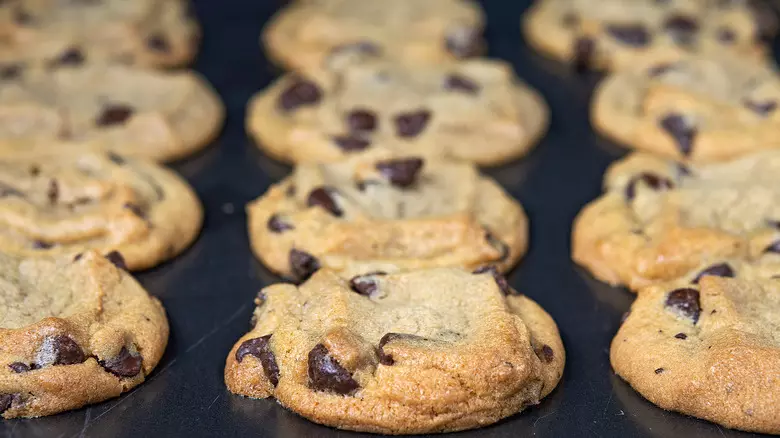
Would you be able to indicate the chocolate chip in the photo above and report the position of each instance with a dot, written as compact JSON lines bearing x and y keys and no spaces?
{"x":401,"y":172}
{"x":773,"y":248}
{"x":72,"y":56}
{"x":11,"y":71}
{"x":277,"y":225}
{"x":125,"y":364}
{"x":53,"y":193}
{"x":323,"y":197}
{"x":6,"y":190}
{"x":40,"y":244}
{"x":351,"y":143}
{"x":659,"y":370}
{"x":408,"y":125}
{"x":158,"y":43}
{"x":77,"y":257}
{"x":117,"y":259}
{"x":261,"y":349}
{"x":114,"y":114}
{"x":652,"y":180}
{"x":464,"y":42}
{"x":116,"y":159}
{"x":365,"y":284}
{"x":300,"y":92}
{"x":546,"y":353}
{"x":361,"y":120}
{"x":501,"y":281}
{"x":682,"y":336}
{"x":495,"y":242}
{"x":6,"y":400}
{"x":718,"y":270}
{"x":302,"y":264}
{"x":635,"y":35}
{"x":325,"y":373}
{"x":19,"y":367}
{"x":136,"y":210}
{"x":681,"y":28}
{"x":726,"y":35}
{"x":761,"y":108}
{"x":458,"y":82}
{"x":682,"y":132}
{"x":583,"y":53}
{"x":65,"y":351}
{"x":386,"y":359}
{"x":685,"y":302}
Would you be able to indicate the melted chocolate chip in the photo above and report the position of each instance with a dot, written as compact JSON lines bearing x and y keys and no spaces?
{"x":40,"y":244}
{"x":408,"y":125}
{"x":546,"y":353}
{"x":114,"y":114}
{"x":300,"y":92}
{"x":261,"y":349}
{"x":682,"y":29}
{"x":159,"y":43}
{"x":464,"y":42}
{"x":652,"y":180}
{"x":302,"y":264}
{"x":365,"y":284}
{"x":659,"y":370}
{"x":635,"y":35}
{"x":6,"y":190}
{"x":325,"y":373}
{"x":386,"y":359}
{"x":65,"y":350}
{"x":682,"y":336}
{"x":11,"y":71}
{"x":117,"y":259}
{"x":501,"y":281}
{"x":53,"y":193}
{"x":125,"y":364}
{"x":277,"y":225}
{"x":72,"y":56}
{"x":323,"y":197}
{"x":350,"y":143}
{"x":402,"y":172}
{"x":761,"y":108}
{"x":361,"y":120}
{"x":682,"y":132}
{"x":6,"y":400}
{"x":583,"y":52}
{"x":19,"y":367}
{"x":726,"y":35}
{"x":685,"y":302}
{"x":460,"y":83}
{"x":116,"y":159}
{"x":718,"y":270}
{"x":774,"y":247}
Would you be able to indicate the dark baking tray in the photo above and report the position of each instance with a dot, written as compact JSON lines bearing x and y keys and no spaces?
{"x":208,"y":291}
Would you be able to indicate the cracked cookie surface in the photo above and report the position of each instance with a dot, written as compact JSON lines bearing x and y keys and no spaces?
{"x":659,"y":220}
{"x":130,"y":111}
{"x":620,"y":34}
{"x":426,"y":351}
{"x":66,"y":204}
{"x":385,"y":212}
{"x":709,"y":349}
{"x":473,"y":110}
{"x":308,"y":34}
{"x":698,"y":109}
{"x":73,"y":333}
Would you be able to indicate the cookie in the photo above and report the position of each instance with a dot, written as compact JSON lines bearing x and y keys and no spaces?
{"x":130,"y":111}
{"x":384,"y":213}
{"x":699,"y":109}
{"x":659,"y":220}
{"x":710,"y":349}
{"x":66,"y":204}
{"x":73,"y":333}
{"x":147,"y":33}
{"x":309,"y":35}
{"x":473,"y":110}
{"x":620,"y":34}
{"x":427,"y":351}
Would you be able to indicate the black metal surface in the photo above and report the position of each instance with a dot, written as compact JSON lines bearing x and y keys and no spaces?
{"x":208,"y":291}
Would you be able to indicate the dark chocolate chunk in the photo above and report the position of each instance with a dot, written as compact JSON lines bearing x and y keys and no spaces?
{"x":501,"y":281}
{"x":323,"y":197}
{"x":583,"y":53}
{"x":117,"y":259}
{"x":40,"y":244}
{"x":361,"y":120}
{"x":682,"y":29}
{"x":659,"y":370}
{"x":6,"y":190}
{"x":125,"y":364}
{"x":65,"y":350}
{"x":19,"y":367}
{"x":635,"y":35}
{"x":114,"y":114}
{"x":546,"y":353}
{"x":682,"y":336}
{"x":387,"y":359}
{"x":325,"y":373}
{"x":53,"y":193}
{"x":685,"y":302}
{"x":73,"y":56}
{"x":116,"y":159}
{"x":464,"y":42}
{"x":350,"y":143}
{"x":261,"y":349}
{"x":6,"y":400}
{"x":761,"y":108}
{"x":302,"y":264}
{"x":652,"y":180}
{"x":278,"y":225}
{"x":159,"y":43}
{"x":458,"y":82}
{"x":365,"y":284}
{"x":411,"y":124}
{"x":300,"y":92}
{"x":401,"y":172}
{"x":682,"y":132}
{"x":718,"y":270}
{"x":774,"y":247}
{"x":10,"y":71}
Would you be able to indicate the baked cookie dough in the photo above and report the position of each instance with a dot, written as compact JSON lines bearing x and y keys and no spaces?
{"x":147,"y":33}
{"x":709,"y":349}
{"x":426,"y":351}
{"x":698,"y":109}
{"x":473,"y":110}
{"x":130,"y":111}
{"x":659,"y":220}
{"x":73,"y":332}
{"x":619,"y":34}
{"x":380,"y":212}
{"x":65,"y":204}
{"x":310,"y":35}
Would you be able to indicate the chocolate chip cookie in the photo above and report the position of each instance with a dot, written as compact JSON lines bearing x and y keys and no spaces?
{"x":710,"y":349}
{"x":472,"y":110}
{"x":66,"y":204}
{"x":131,"y":111}
{"x":309,"y":35}
{"x":382,"y":212}
{"x":148,"y":33}
{"x":698,"y":109}
{"x":426,"y":351}
{"x":619,"y":34}
{"x":659,"y":220}
{"x":73,"y":332}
